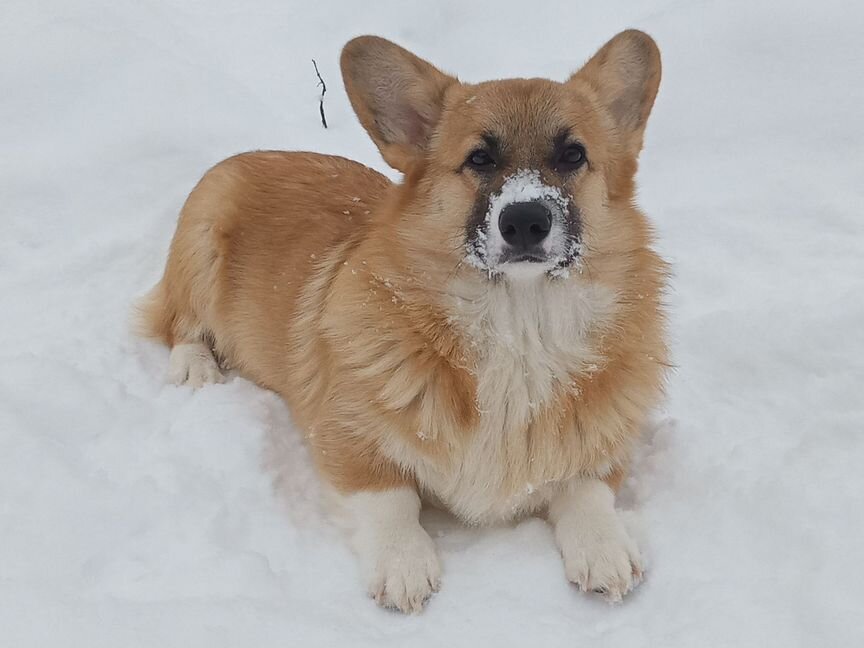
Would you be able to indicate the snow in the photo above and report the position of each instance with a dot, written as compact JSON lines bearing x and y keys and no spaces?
{"x":136,"y":513}
{"x":525,"y":185}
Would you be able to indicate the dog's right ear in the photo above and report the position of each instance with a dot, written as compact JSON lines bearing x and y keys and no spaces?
{"x":397,"y":96}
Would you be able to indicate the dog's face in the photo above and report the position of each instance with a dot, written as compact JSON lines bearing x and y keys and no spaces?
{"x":514,"y":178}
{"x":514,"y":164}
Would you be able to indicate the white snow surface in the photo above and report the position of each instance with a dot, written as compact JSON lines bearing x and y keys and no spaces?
{"x":137,"y":513}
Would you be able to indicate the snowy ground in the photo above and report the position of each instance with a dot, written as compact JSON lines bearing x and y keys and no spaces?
{"x":138,"y":514}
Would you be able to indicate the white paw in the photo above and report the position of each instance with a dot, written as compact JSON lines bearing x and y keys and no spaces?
{"x":599,"y":555}
{"x":603,"y":560}
{"x":398,"y":561}
{"x":403,"y":574}
{"x":193,"y":364}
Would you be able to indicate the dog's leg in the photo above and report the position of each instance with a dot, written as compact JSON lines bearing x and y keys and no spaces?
{"x":397,"y":557}
{"x":192,"y":363}
{"x":599,"y":555}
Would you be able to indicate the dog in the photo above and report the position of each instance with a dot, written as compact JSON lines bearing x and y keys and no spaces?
{"x":487,"y":335}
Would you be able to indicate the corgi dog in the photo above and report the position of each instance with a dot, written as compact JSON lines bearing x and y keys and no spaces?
{"x":486,"y":335}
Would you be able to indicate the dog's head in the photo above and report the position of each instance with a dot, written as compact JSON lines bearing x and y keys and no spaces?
{"x":518,"y":177}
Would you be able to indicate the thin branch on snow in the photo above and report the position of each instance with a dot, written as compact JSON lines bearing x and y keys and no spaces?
{"x":323,"y":91}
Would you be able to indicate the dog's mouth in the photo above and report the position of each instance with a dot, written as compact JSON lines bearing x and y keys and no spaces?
{"x":555,"y":263}
{"x":524,"y":258}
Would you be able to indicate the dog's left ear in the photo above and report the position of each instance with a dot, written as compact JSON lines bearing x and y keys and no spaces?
{"x":397,"y":96}
{"x":625,"y":75}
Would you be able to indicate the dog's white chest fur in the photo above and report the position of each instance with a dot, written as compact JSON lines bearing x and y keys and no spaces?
{"x":530,"y":337}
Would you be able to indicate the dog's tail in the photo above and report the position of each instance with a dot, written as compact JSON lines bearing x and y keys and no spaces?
{"x":153,"y":316}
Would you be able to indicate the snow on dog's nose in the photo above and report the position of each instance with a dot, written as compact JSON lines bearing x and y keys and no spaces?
{"x":527,"y":230}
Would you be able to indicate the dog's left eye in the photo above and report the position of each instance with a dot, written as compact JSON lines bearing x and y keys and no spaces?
{"x":571,"y":157}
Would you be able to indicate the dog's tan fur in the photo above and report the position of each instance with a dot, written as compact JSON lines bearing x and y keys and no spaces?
{"x":348,"y":295}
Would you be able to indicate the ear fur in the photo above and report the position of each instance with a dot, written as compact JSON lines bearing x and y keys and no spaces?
{"x":625,"y":75}
{"x":397,"y":96}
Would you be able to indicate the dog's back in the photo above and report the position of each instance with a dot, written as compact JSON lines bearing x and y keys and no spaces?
{"x":281,"y":213}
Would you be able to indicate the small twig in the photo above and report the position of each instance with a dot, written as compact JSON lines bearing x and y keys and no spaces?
{"x":323,"y":92}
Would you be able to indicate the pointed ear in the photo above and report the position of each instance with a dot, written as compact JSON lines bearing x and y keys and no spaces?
{"x":397,"y":96}
{"x":625,"y":74}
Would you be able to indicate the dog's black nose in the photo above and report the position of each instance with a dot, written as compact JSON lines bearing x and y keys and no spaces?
{"x":523,"y":225}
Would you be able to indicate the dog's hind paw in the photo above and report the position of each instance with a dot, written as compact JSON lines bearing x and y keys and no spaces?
{"x":193,"y":364}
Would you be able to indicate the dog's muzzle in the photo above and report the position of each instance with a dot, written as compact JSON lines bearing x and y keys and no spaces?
{"x":530,"y":228}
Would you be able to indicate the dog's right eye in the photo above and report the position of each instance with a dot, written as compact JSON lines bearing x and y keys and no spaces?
{"x":480,"y":159}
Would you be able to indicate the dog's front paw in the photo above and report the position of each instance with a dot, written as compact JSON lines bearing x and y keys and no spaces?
{"x":599,"y":555}
{"x":602,"y":560}
{"x":397,"y":557}
{"x":404,"y":574}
